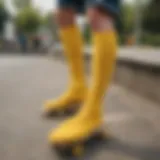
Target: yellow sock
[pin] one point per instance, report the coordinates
(73, 48)
(104, 57)
(89, 119)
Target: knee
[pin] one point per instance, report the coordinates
(65, 17)
(99, 19)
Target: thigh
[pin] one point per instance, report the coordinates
(111, 6)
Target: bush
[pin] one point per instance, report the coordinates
(28, 20)
(3, 16)
(151, 39)
(87, 34)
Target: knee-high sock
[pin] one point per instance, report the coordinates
(102, 68)
(73, 48)
(89, 119)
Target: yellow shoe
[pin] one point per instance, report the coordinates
(73, 47)
(76, 129)
(66, 103)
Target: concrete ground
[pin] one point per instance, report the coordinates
(27, 81)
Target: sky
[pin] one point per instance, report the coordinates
(46, 5)
(43, 5)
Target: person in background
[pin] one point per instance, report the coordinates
(22, 39)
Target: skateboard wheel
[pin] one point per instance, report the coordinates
(61, 113)
(78, 151)
(103, 135)
(46, 113)
(99, 136)
(50, 113)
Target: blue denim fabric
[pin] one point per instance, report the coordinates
(80, 5)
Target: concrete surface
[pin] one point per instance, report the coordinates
(139, 55)
(27, 81)
(147, 56)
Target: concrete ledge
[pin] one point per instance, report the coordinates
(137, 69)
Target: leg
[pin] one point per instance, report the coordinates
(89, 119)
(73, 45)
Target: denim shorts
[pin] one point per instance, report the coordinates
(80, 6)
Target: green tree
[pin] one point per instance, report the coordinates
(28, 20)
(87, 33)
(20, 4)
(151, 20)
(3, 16)
(49, 20)
(50, 23)
(128, 18)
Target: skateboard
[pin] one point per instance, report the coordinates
(77, 149)
(72, 109)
